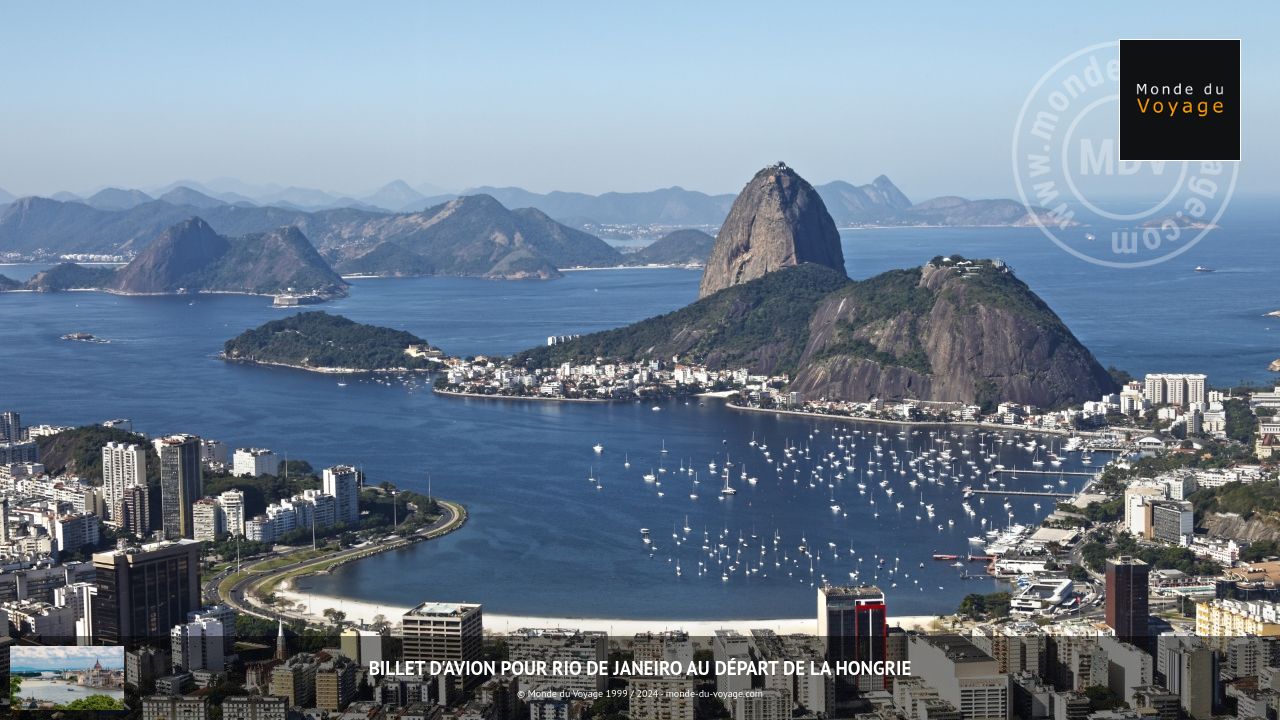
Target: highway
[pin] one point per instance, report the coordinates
(236, 595)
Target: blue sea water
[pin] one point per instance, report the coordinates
(541, 539)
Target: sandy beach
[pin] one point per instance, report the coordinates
(359, 611)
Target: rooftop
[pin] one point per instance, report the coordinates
(956, 648)
(869, 592)
(443, 609)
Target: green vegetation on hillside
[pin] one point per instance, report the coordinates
(261, 491)
(1245, 500)
(765, 320)
(1162, 557)
(1242, 424)
(1260, 550)
(72, 276)
(878, 300)
(387, 259)
(320, 340)
(268, 263)
(79, 451)
(675, 248)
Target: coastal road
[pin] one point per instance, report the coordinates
(235, 591)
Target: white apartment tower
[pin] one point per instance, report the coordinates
(124, 465)
(206, 519)
(341, 482)
(252, 462)
(231, 503)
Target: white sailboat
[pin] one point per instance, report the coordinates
(727, 489)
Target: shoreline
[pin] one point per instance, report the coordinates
(124, 293)
(919, 423)
(364, 611)
(323, 370)
(538, 398)
(633, 267)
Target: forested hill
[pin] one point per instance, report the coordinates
(320, 341)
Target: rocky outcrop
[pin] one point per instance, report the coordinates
(1231, 525)
(777, 221)
(165, 264)
(960, 330)
(191, 257)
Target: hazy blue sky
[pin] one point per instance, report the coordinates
(590, 96)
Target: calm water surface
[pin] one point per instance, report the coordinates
(542, 539)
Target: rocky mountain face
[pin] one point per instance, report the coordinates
(776, 299)
(682, 247)
(963, 331)
(190, 256)
(966, 331)
(777, 221)
(180, 252)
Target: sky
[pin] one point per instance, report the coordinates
(52, 657)
(589, 97)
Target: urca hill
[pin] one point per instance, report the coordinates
(776, 298)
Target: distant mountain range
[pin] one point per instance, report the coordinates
(877, 203)
(470, 236)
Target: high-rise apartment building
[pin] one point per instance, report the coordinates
(124, 465)
(231, 502)
(181, 483)
(341, 481)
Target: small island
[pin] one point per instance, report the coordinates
(319, 342)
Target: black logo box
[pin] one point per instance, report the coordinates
(1184, 65)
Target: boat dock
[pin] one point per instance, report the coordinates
(1074, 473)
(1026, 493)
